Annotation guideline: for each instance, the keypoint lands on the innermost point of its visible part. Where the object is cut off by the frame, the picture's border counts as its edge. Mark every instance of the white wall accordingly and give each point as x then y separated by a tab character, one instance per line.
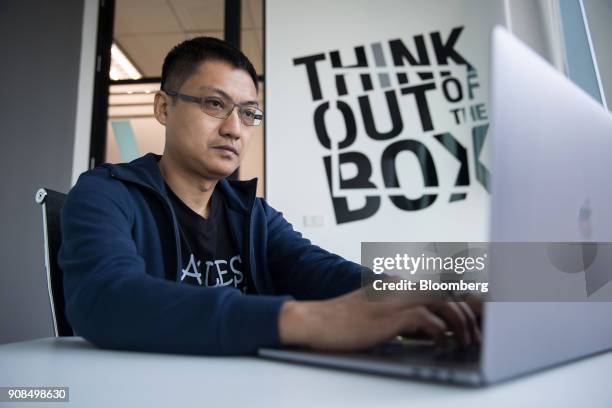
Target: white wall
82	129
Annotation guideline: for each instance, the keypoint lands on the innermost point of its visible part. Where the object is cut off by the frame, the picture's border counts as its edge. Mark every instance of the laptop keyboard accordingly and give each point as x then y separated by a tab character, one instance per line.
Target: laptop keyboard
450	351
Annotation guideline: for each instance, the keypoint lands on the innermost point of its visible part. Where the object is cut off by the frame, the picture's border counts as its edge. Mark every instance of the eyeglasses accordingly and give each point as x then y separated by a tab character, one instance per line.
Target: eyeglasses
222	108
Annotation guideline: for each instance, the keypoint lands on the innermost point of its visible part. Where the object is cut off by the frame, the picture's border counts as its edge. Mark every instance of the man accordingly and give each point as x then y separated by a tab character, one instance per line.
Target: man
165	254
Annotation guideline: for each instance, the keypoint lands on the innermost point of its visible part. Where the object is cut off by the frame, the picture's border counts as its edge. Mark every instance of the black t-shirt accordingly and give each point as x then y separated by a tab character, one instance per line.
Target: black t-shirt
208	254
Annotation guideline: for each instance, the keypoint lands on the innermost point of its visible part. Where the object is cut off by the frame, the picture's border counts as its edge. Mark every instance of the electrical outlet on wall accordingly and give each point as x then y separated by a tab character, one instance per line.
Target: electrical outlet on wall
314	221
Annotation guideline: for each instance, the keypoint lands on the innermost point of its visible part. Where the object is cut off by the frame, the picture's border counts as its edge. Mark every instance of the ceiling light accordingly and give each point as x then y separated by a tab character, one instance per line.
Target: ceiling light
121	66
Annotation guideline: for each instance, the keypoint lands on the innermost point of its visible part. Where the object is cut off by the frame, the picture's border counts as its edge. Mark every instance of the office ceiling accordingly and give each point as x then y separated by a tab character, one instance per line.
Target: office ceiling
147	29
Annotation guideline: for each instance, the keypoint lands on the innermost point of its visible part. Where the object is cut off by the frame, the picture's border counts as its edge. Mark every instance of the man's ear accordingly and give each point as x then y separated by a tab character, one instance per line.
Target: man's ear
160	107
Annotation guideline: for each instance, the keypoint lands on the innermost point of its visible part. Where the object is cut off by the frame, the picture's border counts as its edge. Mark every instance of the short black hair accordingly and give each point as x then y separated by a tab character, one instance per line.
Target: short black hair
183	60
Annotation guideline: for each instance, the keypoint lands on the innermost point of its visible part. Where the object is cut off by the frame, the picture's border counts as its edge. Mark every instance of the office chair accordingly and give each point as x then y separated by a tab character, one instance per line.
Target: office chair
52	203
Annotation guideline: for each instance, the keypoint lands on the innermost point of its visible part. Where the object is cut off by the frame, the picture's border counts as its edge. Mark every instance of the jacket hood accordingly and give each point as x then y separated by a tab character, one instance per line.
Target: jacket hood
240	195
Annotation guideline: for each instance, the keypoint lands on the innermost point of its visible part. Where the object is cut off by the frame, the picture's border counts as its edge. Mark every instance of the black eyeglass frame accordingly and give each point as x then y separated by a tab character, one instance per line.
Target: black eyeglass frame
200	101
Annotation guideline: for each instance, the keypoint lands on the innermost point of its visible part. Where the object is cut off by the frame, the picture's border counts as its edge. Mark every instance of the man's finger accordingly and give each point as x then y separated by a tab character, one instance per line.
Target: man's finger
475	304
455	317
422	319
472	321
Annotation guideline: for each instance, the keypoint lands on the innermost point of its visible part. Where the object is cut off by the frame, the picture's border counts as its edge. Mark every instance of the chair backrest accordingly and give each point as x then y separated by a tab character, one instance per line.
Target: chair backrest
52	203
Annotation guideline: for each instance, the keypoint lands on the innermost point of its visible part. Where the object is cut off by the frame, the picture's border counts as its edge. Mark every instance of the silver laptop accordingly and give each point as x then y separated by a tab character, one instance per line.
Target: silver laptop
551	146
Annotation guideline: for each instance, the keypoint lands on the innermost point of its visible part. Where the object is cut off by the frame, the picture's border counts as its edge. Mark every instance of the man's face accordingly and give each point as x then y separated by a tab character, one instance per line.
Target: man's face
204	145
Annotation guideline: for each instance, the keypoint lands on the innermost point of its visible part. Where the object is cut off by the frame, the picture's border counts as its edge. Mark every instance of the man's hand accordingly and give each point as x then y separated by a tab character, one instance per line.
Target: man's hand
350	322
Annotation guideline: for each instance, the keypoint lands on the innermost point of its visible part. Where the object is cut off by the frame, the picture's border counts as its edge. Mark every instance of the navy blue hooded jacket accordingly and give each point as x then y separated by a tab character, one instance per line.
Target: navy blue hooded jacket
119	255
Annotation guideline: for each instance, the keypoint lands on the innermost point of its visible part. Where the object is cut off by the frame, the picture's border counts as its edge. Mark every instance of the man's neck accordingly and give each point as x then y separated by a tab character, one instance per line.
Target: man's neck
194	191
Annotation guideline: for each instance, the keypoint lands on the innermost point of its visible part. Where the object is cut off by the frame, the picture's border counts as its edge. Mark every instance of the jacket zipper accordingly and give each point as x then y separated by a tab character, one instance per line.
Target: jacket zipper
169	210
247	248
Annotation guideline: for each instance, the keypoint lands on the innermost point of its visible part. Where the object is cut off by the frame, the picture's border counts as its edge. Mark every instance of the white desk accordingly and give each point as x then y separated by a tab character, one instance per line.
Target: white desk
100	378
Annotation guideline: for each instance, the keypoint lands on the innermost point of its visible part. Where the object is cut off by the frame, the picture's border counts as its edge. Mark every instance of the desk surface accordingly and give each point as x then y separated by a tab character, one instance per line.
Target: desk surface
101	378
